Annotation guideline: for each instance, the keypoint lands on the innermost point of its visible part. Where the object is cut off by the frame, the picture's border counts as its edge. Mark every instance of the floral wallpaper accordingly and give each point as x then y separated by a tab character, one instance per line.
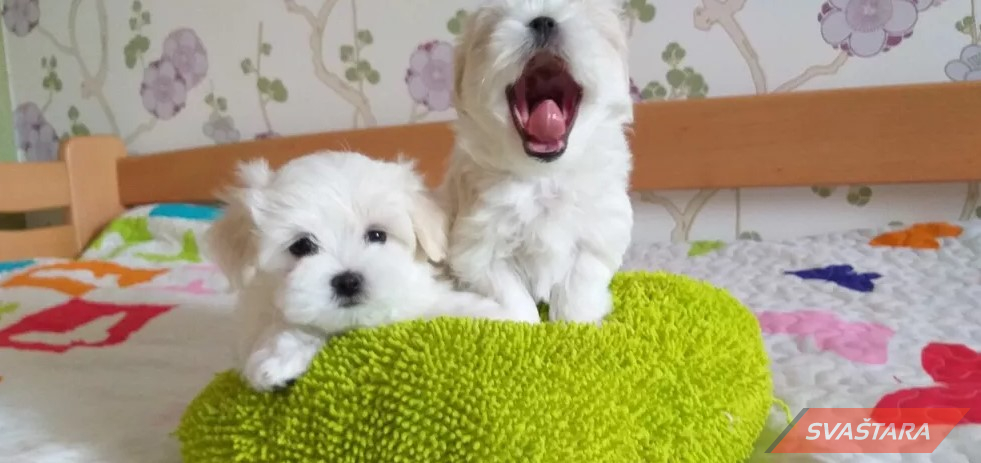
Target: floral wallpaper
165	75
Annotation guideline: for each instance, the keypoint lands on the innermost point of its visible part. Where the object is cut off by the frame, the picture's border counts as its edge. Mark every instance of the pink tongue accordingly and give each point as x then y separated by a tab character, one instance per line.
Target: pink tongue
546	124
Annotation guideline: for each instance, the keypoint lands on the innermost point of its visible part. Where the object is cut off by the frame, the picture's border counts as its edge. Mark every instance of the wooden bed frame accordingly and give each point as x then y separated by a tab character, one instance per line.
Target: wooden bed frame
899	134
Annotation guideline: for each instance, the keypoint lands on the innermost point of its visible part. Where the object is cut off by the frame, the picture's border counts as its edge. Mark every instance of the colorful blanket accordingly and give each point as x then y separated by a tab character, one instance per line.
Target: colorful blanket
885	318
99	356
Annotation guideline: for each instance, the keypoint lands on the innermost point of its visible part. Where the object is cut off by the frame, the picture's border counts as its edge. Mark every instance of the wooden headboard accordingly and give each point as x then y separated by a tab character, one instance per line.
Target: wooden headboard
899	134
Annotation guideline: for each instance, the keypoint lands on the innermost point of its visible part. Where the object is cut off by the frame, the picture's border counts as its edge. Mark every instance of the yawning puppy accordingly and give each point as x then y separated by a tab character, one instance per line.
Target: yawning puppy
328	243
537	183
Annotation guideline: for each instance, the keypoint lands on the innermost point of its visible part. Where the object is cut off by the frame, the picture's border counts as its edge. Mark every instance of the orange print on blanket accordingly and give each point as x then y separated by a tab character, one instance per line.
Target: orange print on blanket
125	276
919	236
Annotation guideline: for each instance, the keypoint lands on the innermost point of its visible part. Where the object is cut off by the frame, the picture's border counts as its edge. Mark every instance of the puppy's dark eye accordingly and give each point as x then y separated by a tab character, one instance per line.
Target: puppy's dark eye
376	236
303	246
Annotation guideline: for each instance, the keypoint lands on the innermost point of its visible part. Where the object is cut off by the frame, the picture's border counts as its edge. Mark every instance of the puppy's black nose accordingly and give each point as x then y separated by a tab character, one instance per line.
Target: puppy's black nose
347	284
544	28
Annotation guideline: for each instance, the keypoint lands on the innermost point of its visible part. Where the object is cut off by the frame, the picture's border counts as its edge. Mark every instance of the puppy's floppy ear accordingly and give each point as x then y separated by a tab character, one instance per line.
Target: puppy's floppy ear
230	241
430	223
230	245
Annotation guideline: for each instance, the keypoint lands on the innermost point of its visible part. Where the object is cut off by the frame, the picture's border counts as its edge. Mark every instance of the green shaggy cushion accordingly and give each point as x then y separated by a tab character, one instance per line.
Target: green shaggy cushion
678	372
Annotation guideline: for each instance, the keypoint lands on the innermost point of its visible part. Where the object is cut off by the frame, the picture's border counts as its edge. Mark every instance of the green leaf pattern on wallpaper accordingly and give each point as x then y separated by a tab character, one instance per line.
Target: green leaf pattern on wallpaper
139	44
220	126
682	82
638	11
455	24
857	195
351	92
167	67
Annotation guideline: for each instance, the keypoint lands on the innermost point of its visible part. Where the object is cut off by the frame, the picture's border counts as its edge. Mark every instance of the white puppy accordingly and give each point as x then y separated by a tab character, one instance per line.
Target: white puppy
328	243
537	183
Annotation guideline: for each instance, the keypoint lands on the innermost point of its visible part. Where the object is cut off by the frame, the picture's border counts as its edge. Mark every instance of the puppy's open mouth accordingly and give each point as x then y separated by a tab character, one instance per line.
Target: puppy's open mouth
544	102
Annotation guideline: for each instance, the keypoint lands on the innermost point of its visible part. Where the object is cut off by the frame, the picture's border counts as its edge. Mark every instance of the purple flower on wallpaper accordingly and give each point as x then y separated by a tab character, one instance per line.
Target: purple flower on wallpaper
267	135
968	67
21	16
164	91
36	137
430	75
867	27
221	129
184	49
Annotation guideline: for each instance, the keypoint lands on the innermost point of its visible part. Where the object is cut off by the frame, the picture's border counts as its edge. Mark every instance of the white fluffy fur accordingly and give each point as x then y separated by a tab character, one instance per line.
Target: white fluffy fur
522	230
286	304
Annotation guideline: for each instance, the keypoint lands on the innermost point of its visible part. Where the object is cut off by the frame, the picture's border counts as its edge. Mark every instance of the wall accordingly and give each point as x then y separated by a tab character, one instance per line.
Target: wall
164	75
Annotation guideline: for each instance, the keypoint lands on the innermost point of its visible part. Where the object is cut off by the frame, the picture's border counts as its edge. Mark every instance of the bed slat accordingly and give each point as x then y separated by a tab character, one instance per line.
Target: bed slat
56	241
195	175
883	135
880	135
33	186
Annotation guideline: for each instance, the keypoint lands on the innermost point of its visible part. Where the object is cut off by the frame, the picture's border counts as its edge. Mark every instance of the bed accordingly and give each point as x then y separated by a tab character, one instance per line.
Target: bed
112	322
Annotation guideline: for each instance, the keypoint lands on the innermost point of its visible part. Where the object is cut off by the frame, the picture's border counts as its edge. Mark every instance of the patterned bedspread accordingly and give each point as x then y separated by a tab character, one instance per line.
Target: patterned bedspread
862	319
99	356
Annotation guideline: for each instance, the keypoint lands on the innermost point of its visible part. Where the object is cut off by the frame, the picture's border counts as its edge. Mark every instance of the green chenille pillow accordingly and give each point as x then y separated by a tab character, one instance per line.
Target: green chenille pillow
677	373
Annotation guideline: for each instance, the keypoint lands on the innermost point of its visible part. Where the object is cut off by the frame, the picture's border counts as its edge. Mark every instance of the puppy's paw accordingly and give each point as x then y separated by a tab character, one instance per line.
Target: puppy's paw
266	371
525	315
582	307
585	315
285	386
